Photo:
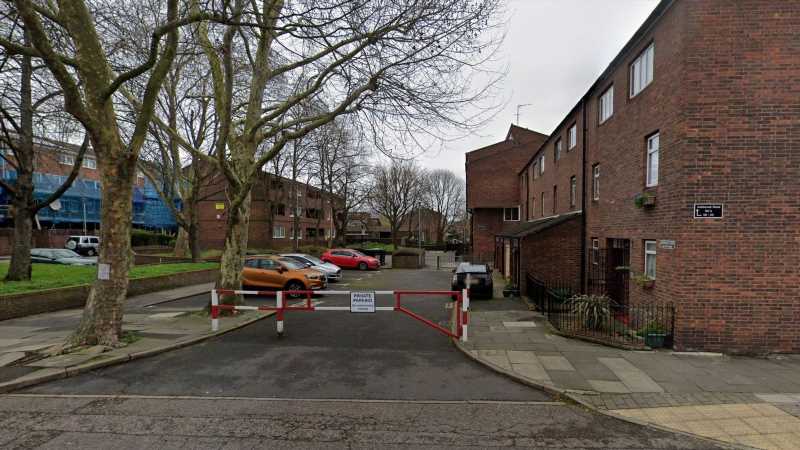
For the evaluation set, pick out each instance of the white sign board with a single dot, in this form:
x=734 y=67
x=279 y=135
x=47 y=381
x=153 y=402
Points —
x=103 y=271
x=362 y=302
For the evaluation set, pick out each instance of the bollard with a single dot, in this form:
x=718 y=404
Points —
x=214 y=310
x=279 y=317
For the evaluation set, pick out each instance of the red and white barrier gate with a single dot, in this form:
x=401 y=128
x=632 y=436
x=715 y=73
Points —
x=282 y=306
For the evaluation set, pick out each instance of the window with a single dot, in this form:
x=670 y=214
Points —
x=278 y=232
x=294 y=235
x=595 y=251
x=596 y=182
x=652 y=160
x=267 y=264
x=650 y=259
x=642 y=70
x=573 y=191
x=527 y=197
x=511 y=214
x=66 y=159
x=555 y=198
x=90 y=163
x=606 y=104
x=535 y=171
x=572 y=136
x=541 y=204
x=280 y=209
x=298 y=211
x=557 y=150
x=541 y=164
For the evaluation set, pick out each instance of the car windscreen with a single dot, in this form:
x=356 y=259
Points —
x=473 y=268
x=313 y=260
x=358 y=253
x=64 y=254
x=291 y=264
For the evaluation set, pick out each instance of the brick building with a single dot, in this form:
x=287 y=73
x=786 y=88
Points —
x=492 y=195
x=680 y=164
x=285 y=199
x=418 y=223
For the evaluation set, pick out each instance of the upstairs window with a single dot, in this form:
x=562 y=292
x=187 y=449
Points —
x=66 y=159
x=511 y=214
x=606 y=104
x=572 y=136
x=652 y=160
x=573 y=191
x=642 y=70
x=90 y=163
x=541 y=164
x=535 y=171
x=596 y=182
x=557 y=150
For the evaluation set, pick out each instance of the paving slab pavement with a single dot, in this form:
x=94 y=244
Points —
x=739 y=400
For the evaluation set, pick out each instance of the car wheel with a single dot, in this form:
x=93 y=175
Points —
x=294 y=286
x=91 y=252
x=362 y=266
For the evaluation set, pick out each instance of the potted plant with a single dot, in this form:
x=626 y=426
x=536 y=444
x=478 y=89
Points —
x=593 y=310
x=645 y=200
x=654 y=335
x=643 y=281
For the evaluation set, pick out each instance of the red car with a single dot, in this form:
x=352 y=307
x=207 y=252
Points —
x=347 y=258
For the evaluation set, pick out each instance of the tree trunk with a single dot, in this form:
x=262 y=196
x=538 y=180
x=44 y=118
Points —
x=235 y=246
x=182 y=249
x=101 y=323
x=19 y=268
x=194 y=236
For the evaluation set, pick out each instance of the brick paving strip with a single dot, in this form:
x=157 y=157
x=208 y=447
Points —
x=156 y=325
x=738 y=400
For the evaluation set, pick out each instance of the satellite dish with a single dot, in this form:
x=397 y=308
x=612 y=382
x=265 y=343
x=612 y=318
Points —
x=55 y=205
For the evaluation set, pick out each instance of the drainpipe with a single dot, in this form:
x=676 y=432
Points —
x=583 y=197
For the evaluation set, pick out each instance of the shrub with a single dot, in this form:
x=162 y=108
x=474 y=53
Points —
x=314 y=250
x=593 y=310
x=142 y=238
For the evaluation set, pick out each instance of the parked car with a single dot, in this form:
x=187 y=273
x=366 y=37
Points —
x=60 y=256
x=85 y=245
x=331 y=271
x=275 y=272
x=347 y=258
x=480 y=276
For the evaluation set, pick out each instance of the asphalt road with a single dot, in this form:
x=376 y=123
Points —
x=336 y=380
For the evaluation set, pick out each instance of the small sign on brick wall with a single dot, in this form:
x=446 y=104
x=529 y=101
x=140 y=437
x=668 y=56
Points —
x=667 y=244
x=708 y=210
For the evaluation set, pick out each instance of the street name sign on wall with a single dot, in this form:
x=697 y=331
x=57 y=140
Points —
x=362 y=302
x=708 y=210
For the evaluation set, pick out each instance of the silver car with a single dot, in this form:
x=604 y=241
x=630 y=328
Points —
x=331 y=271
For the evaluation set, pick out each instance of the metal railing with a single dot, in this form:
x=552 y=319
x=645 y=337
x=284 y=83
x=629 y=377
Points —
x=639 y=326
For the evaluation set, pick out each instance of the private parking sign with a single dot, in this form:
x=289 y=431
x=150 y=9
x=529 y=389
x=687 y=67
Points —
x=362 y=302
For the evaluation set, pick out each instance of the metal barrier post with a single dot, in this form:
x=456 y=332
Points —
x=465 y=312
x=214 y=310
x=279 y=318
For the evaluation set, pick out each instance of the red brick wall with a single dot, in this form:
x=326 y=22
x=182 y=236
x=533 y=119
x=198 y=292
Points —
x=553 y=255
x=486 y=223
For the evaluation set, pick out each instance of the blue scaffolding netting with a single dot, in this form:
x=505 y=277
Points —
x=81 y=202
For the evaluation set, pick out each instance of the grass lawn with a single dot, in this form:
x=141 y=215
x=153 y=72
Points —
x=49 y=276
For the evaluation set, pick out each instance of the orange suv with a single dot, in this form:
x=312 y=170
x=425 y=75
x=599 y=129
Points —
x=274 y=272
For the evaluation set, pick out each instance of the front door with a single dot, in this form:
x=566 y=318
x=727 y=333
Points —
x=618 y=258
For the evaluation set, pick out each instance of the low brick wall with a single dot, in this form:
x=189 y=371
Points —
x=26 y=304
x=407 y=261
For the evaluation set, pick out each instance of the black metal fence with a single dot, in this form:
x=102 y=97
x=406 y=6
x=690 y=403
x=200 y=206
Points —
x=639 y=326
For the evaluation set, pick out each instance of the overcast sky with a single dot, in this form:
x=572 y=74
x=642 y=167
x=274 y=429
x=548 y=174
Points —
x=554 y=50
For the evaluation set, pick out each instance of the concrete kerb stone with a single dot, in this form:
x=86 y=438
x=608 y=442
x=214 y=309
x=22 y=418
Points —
x=570 y=395
x=57 y=373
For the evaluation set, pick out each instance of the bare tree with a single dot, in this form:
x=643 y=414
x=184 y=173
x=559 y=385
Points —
x=395 y=192
x=398 y=62
x=90 y=58
x=27 y=113
x=444 y=194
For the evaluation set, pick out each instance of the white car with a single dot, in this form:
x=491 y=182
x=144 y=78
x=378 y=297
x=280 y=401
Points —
x=84 y=245
x=331 y=271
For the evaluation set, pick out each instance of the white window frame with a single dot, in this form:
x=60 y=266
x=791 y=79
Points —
x=278 y=232
x=641 y=71
x=650 y=254
x=595 y=251
x=557 y=150
x=572 y=136
x=596 y=182
x=89 y=163
x=652 y=159
x=541 y=164
x=66 y=159
x=605 y=104
x=512 y=214
x=535 y=170
x=573 y=191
